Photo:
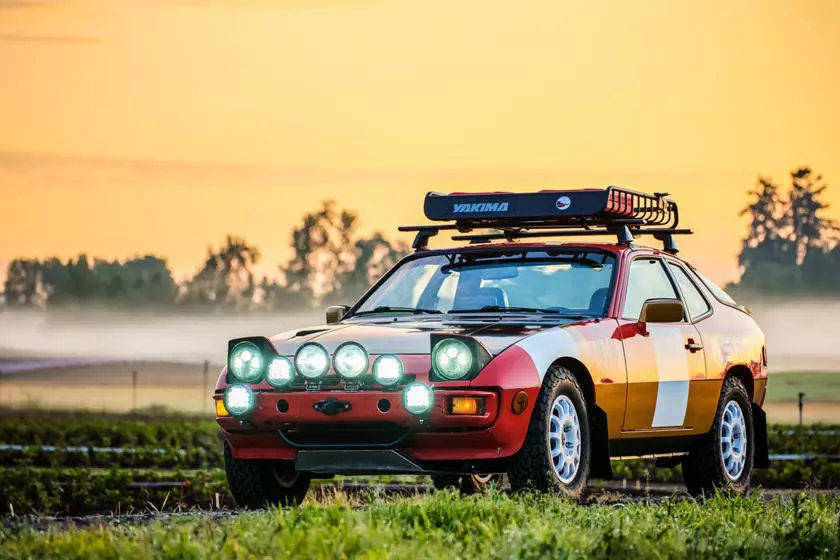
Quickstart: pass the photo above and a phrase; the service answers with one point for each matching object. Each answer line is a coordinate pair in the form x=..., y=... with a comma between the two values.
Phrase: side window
x=694, y=300
x=716, y=290
x=647, y=280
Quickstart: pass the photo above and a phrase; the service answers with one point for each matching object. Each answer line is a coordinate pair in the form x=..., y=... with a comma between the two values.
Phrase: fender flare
x=761, y=453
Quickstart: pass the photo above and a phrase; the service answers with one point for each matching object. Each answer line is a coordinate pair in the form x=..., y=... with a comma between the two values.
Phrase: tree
x=808, y=229
x=23, y=286
x=323, y=252
x=764, y=241
x=272, y=295
x=227, y=278
x=374, y=256
x=790, y=246
x=330, y=263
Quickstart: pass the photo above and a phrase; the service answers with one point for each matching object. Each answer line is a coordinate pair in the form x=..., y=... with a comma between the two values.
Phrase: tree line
x=330, y=263
x=790, y=247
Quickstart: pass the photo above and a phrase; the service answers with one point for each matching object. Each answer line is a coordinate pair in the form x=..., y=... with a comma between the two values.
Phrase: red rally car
x=507, y=356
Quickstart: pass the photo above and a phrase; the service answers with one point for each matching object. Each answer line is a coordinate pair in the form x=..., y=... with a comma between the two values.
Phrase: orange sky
x=131, y=126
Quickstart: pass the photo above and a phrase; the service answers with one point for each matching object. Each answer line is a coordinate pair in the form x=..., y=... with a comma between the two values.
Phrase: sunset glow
x=158, y=127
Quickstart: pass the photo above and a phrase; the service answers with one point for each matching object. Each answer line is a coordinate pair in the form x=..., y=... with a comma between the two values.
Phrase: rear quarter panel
x=730, y=338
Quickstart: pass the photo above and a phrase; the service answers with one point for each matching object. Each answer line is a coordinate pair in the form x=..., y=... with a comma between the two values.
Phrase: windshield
x=568, y=282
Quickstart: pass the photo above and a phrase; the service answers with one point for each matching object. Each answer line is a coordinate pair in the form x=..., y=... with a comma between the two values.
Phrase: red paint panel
x=256, y=446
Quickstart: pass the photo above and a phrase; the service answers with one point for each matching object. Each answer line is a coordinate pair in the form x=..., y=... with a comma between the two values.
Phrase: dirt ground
x=812, y=412
x=109, y=387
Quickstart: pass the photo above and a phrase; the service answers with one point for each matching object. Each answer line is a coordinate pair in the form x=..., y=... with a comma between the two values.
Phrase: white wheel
x=733, y=440
x=722, y=459
x=557, y=451
x=564, y=438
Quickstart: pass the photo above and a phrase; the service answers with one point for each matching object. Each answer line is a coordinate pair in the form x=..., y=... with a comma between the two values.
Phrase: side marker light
x=520, y=402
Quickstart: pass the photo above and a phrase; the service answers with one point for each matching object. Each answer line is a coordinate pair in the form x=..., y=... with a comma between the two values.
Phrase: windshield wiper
x=389, y=309
x=515, y=309
x=506, y=308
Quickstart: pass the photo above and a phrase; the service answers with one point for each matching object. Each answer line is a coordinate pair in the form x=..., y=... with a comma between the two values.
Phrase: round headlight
x=312, y=361
x=417, y=398
x=238, y=399
x=246, y=362
x=452, y=358
x=279, y=372
x=387, y=370
x=350, y=360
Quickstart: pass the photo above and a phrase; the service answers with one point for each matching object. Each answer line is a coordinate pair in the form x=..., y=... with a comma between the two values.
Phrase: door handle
x=693, y=346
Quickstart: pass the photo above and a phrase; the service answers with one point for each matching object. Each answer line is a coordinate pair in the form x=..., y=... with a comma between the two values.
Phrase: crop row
x=76, y=491
x=797, y=473
x=174, y=432
x=180, y=433
x=94, y=432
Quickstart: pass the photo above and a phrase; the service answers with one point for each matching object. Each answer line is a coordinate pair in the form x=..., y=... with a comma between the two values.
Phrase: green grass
x=817, y=386
x=445, y=525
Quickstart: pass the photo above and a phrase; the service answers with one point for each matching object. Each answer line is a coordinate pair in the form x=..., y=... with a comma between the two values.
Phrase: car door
x=661, y=358
x=704, y=391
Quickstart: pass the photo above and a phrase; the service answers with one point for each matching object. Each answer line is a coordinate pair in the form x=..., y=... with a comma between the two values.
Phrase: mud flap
x=761, y=456
x=601, y=466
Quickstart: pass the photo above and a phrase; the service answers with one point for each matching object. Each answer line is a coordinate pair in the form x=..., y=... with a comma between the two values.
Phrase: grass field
x=821, y=401
x=817, y=385
x=445, y=525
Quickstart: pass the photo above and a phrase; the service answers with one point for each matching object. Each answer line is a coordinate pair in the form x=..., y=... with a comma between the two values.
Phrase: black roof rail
x=551, y=213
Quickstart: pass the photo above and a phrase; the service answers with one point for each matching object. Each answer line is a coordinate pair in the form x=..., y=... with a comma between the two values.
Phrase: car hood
x=410, y=335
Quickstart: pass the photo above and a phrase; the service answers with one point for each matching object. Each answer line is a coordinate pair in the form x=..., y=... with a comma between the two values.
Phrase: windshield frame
x=490, y=252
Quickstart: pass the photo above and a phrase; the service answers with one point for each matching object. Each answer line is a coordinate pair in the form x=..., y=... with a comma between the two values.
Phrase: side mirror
x=662, y=311
x=336, y=313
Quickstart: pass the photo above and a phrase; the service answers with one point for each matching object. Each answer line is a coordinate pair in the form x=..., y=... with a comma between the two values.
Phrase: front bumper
x=365, y=439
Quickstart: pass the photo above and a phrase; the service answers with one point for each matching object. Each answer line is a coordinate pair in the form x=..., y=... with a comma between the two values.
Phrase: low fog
x=800, y=334
x=129, y=337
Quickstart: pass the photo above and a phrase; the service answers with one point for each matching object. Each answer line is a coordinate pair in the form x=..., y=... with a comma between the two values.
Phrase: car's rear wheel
x=557, y=450
x=723, y=458
x=468, y=483
x=258, y=483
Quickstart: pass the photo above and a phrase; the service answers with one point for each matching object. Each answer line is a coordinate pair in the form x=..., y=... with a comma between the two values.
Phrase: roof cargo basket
x=551, y=213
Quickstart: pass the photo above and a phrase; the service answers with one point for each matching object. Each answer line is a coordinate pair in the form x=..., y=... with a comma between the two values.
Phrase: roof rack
x=551, y=213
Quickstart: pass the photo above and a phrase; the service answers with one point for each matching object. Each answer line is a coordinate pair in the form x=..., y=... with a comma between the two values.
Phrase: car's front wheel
x=468, y=483
x=723, y=458
x=557, y=449
x=258, y=483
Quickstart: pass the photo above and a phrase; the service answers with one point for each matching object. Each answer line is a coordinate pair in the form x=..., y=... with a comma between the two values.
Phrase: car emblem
x=563, y=203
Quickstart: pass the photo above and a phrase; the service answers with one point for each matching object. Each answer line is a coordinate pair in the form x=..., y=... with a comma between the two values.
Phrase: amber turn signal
x=466, y=405
x=520, y=402
x=220, y=408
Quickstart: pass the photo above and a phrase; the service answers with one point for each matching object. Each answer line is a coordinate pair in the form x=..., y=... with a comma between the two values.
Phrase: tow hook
x=331, y=406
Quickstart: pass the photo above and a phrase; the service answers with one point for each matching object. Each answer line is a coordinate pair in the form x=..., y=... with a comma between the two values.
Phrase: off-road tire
x=468, y=484
x=532, y=467
x=258, y=483
x=703, y=468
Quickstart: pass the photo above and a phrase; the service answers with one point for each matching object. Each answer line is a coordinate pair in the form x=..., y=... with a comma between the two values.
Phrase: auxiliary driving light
x=312, y=360
x=387, y=370
x=452, y=358
x=350, y=360
x=238, y=400
x=246, y=362
x=280, y=371
x=417, y=398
